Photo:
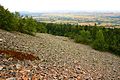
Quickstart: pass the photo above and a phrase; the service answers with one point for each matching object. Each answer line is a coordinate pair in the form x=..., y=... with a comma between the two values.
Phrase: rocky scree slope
x=60, y=59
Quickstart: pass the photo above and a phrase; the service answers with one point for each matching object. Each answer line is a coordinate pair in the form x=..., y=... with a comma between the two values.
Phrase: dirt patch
x=18, y=55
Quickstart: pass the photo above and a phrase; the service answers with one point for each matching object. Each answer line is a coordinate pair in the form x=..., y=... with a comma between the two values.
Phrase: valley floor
x=60, y=59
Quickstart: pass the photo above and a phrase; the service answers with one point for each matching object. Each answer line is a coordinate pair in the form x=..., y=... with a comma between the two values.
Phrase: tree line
x=100, y=38
x=15, y=22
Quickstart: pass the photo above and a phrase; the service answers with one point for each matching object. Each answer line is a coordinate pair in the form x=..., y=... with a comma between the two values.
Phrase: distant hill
x=24, y=13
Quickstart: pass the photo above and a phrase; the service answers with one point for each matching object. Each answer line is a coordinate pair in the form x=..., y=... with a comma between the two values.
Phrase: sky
x=61, y=5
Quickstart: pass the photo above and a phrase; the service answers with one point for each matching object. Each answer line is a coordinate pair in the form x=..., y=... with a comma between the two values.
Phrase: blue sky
x=61, y=5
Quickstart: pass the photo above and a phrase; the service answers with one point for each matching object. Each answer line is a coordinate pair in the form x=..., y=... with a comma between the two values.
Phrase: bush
x=41, y=28
x=71, y=35
x=6, y=19
x=84, y=37
x=99, y=43
x=27, y=25
x=14, y=22
x=115, y=45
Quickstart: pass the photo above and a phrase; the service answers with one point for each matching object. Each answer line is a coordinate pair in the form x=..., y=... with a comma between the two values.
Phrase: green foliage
x=84, y=37
x=41, y=28
x=17, y=18
x=99, y=43
x=6, y=19
x=112, y=37
x=14, y=22
x=70, y=35
x=27, y=25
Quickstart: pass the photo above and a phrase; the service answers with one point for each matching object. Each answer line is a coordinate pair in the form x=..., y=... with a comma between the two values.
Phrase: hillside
x=60, y=59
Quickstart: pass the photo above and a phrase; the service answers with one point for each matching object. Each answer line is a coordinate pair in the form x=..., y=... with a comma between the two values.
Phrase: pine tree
x=99, y=42
x=6, y=19
x=84, y=37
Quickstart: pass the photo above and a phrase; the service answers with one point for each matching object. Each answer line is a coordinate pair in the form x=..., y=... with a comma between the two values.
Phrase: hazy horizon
x=61, y=5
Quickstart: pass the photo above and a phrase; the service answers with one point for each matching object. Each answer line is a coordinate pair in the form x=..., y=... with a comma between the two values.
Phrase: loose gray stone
x=1, y=68
x=1, y=40
x=18, y=66
x=12, y=78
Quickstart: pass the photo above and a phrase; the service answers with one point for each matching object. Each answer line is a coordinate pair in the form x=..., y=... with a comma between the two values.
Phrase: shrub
x=70, y=35
x=84, y=37
x=6, y=19
x=27, y=25
x=41, y=28
x=99, y=43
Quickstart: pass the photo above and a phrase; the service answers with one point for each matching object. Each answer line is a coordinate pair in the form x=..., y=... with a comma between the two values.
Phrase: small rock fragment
x=1, y=68
x=12, y=78
x=1, y=40
x=18, y=66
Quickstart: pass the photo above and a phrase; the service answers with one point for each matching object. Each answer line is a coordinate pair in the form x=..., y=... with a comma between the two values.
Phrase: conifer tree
x=99, y=43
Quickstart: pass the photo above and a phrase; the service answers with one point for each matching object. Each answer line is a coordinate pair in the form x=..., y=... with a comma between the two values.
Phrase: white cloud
x=56, y=5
